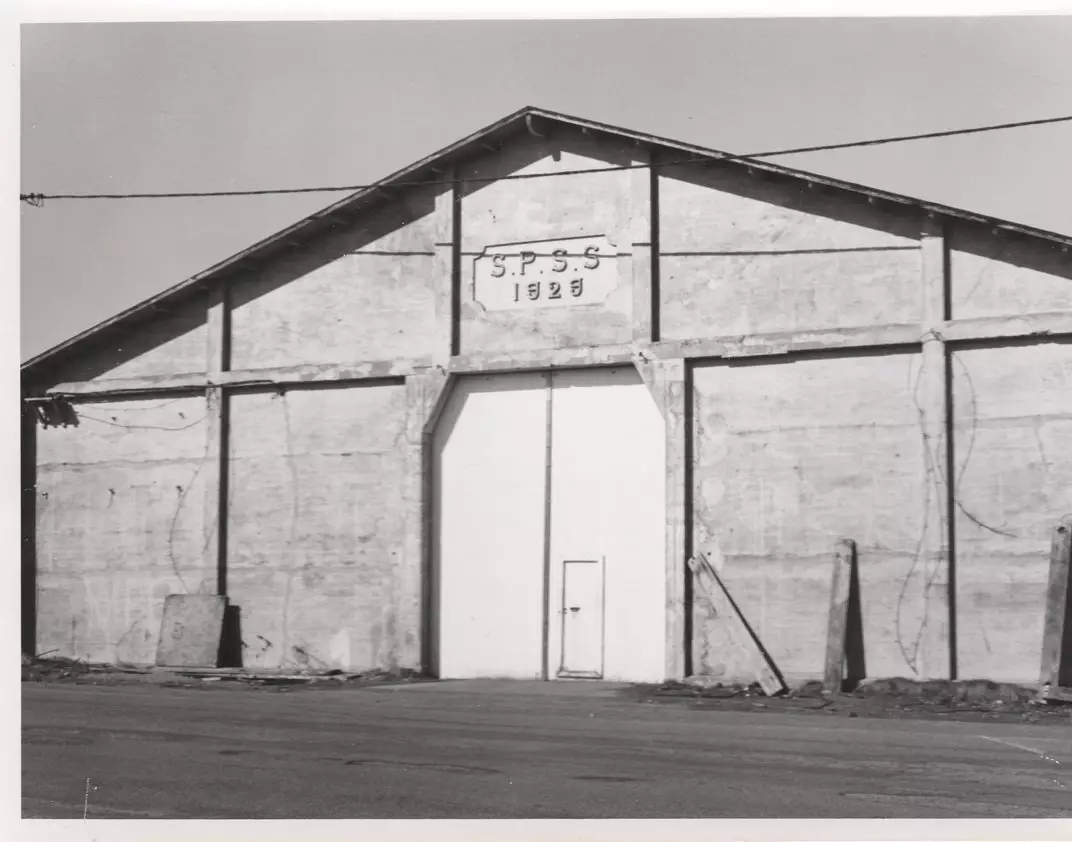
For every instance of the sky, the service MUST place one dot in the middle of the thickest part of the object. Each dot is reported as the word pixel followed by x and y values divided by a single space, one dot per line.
pixel 148 107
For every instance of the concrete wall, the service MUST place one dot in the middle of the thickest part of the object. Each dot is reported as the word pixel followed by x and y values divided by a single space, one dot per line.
pixel 120 525
pixel 531 210
pixel 364 293
pixel 790 453
pixel 789 457
pixel 171 342
pixel 1013 414
pixel 744 255
pixel 315 528
pixel 1000 275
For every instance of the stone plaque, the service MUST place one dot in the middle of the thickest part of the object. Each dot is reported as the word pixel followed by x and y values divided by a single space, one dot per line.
pixel 548 273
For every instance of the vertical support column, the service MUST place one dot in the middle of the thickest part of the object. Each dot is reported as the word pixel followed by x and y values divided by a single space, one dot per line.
pixel 1055 631
pixel 445 269
pixel 678 479
pixel 937 654
pixel 668 382
pixel 29 530
pixel 214 470
pixel 426 393
pixel 640 233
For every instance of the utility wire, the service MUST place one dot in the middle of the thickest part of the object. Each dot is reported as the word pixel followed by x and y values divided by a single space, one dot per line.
pixel 37 199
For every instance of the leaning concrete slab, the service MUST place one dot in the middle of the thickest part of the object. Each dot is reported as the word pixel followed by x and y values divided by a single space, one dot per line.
pixel 190 630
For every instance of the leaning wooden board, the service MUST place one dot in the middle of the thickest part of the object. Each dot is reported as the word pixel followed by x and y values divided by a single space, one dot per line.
pixel 710 585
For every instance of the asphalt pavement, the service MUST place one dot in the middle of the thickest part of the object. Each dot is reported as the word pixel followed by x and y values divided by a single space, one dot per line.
pixel 513 750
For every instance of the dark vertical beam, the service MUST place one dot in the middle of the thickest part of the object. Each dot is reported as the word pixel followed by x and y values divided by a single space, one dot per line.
pixel 429 569
pixel 456 281
pixel 855 660
pixel 223 484
pixel 445 287
pixel 640 260
pixel 688 592
pixel 218 322
pixel 225 327
pixel 951 510
pixel 29 529
pixel 654 251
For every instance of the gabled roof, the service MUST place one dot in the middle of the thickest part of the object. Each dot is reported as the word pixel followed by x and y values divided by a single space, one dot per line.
pixel 428 169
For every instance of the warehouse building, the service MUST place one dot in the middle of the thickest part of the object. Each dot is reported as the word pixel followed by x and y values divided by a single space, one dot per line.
pixel 478 419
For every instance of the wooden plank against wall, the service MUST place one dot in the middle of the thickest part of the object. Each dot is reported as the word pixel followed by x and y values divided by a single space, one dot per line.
pixel 1054 632
pixel 844 643
pixel 740 635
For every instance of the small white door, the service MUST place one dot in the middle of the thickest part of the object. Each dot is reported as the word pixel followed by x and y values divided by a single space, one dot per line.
pixel 582 619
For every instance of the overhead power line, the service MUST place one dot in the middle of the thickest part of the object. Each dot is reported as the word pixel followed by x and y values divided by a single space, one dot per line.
pixel 38 198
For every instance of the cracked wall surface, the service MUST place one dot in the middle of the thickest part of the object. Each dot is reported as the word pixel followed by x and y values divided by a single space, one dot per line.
pixel 367 291
pixel 744 255
pixel 790 457
pixel 120 525
pixel 1002 276
pixel 316 524
pixel 1013 455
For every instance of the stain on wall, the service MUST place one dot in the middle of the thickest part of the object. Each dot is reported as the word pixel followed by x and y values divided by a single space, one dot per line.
pixel 1013 421
pixel 790 457
pixel 315 526
pixel 531 210
pixel 120 524
pixel 744 254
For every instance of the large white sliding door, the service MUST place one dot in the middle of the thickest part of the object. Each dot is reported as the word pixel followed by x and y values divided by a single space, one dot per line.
pixel 586 586
pixel 608 490
pixel 491 451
